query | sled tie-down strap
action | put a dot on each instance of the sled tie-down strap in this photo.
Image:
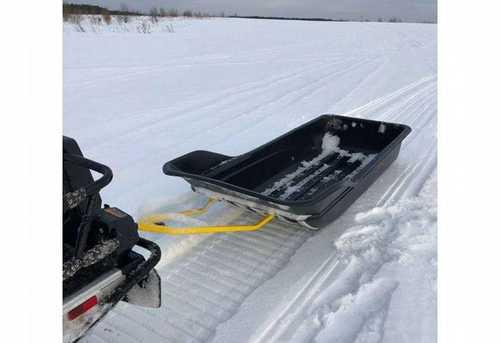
(151, 223)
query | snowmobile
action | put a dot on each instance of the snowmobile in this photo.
(100, 267)
(308, 176)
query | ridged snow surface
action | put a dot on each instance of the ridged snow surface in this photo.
(135, 101)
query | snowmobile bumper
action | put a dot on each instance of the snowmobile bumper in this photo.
(137, 283)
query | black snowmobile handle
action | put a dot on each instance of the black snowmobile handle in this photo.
(103, 181)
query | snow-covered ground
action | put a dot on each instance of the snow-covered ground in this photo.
(135, 101)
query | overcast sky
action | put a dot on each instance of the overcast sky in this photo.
(408, 10)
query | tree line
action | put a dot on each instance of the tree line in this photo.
(70, 9)
(75, 9)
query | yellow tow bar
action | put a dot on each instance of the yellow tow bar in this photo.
(149, 223)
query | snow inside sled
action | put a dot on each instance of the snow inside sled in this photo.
(309, 175)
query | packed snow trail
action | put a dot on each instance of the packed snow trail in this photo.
(208, 284)
(135, 101)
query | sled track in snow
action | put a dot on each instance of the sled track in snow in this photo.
(206, 286)
(303, 317)
(174, 116)
(414, 105)
(173, 119)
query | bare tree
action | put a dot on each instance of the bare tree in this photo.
(153, 13)
(123, 16)
(106, 17)
(395, 20)
(144, 27)
(170, 28)
(76, 20)
(95, 20)
(66, 14)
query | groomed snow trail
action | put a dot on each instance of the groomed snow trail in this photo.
(135, 101)
(208, 284)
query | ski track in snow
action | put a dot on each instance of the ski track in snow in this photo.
(282, 283)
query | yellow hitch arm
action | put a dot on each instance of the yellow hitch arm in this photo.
(149, 223)
(156, 228)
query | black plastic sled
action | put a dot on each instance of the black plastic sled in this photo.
(309, 175)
